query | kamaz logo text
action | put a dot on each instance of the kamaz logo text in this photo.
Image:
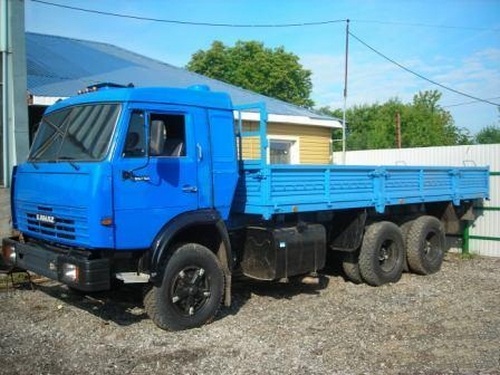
(46, 218)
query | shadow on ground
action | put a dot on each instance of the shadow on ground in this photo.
(124, 305)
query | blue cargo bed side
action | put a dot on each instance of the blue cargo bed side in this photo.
(274, 189)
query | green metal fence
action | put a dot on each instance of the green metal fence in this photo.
(467, 236)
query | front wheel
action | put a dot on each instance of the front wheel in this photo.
(191, 291)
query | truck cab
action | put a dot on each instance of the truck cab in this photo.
(114, 174)
(109, 169)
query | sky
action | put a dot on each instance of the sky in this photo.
(455, 43)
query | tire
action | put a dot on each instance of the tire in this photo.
(350, 266)
(191, 291)
(405, 229)
(425, 245)
(381, 256)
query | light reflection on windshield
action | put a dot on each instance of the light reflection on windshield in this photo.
(75, 133)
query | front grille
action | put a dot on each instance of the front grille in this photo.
(69, 224)
(61, 228)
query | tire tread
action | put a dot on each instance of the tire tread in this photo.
(375, 235)
(417, 261)
(350, 266)
(157, 309)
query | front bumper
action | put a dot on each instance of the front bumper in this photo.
(74, 268)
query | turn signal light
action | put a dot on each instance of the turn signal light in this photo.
(107, 221)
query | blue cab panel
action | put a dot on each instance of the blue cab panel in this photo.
(84, 185)
(55, 202)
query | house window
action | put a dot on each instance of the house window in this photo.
(283, 151)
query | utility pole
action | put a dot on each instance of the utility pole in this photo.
(345, 92)
(398, 129)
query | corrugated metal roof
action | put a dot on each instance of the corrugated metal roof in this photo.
(59, 67)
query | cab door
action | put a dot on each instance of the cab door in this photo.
(155, 174)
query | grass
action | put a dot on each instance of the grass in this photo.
(467, 255)
(17, 277)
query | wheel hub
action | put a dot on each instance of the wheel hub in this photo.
(190, 290)
(383, 254)
(386, 256)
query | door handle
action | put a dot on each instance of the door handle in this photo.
(200, 151)
(130, 175)
(189, 189)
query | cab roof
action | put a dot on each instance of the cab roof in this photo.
(197, 96)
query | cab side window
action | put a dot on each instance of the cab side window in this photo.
(135, 141)
(167, 135)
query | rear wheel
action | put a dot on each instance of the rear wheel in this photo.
(382, 254)
(191, 292)
(405, 229)
(425, 245)
(350, 266)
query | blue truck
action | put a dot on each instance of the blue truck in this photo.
(148, 185)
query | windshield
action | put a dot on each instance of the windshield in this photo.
(75, 133)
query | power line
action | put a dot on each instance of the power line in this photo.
(420, 75)
(467, 103)
(284, 25)
(190, 23)
(234, 25)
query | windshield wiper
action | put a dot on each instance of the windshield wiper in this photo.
(69, 160)
(33, 163)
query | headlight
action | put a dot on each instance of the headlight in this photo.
(70, 272)
(9, 253)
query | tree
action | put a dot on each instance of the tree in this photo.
(489, 134)
(428, 124)
(423, 123)
(272, 72)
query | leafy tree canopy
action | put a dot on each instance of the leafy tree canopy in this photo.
(423, 123)
(489, 134)
(272, 72)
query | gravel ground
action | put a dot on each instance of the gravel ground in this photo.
(447, 323)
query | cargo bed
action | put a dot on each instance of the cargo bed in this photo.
(274, 189)
(267, 190)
